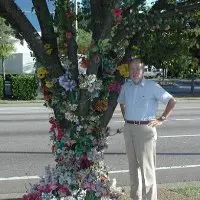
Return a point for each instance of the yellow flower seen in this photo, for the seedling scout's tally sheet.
(41, 72)
(48, 48)
(49, 84)
(123, 70)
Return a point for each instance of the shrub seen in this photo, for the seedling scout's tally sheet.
(1, 87)
(24, 87)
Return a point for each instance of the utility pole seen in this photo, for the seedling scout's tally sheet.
(76, 12)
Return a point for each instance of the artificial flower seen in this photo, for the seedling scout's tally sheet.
(114, 87)
(68, 14)
(48, 48)
(101, 105)
(68, 35)
(46, 94)
(82, 49)
(64, 191)
(84, 62)
(85, 162)
(117, 12)
(49, 84)
(41, 72)
(123, 70)
(32, 196)
(66, 83)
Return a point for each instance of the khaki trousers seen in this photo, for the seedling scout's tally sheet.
(140, 141)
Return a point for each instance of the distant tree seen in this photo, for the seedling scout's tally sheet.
(6, 43)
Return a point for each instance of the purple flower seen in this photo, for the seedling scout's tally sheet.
(69, 85)
(66, 83)
(114, 87)
(63, 79)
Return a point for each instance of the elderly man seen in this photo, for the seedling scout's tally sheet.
(138, 100)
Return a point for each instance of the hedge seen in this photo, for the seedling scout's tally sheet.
(24, 87)
(1, 87)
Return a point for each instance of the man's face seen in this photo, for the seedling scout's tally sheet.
(136, 71)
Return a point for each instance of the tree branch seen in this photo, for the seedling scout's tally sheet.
(46, 24)
(178, 11)
(14, 15)
(96, 18)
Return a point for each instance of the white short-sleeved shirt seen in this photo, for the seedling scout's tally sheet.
(141, 101)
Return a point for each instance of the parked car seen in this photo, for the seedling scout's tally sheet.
(152, 72)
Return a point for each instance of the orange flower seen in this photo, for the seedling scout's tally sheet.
(84, 62)
(101, 105)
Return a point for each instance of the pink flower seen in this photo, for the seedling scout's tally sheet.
(117, 15)
(85, 163)
(60, 132)
(86, 185)
(117, 12)
(47, 188)
(69, 143)
(32, 196)
(64, 191)
(114, 87)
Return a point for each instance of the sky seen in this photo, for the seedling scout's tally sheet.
(26, 6)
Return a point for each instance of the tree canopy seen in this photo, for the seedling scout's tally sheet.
(6, 42)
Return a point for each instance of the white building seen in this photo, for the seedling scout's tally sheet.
(20, 61)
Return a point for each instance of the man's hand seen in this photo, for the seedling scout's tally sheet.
(155, 122)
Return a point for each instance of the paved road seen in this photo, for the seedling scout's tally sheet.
(25, 146)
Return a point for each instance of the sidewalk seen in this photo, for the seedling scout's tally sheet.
(165, 192)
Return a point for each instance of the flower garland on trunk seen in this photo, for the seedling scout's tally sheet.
(80, 172)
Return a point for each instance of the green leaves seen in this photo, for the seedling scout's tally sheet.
(104, 46)
(6, 42)
(24, 87)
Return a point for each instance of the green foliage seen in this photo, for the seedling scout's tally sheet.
(6, 42)
(1, 87)
(24, 87)
(83, 40)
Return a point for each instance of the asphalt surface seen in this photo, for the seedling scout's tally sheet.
(25, 146)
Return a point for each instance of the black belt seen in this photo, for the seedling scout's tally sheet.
(137, 122)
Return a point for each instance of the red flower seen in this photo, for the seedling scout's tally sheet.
(68, 35)
(45, 92)
(114, 87)
(85, 163)
(68, 14)
(64, 191)
(32, 196)
(117, 12)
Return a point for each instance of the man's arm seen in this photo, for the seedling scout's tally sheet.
(168, 110)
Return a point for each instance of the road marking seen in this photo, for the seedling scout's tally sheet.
(19, 178)
(177, 136)
(110, 172)
(159, 168)
(172, 119)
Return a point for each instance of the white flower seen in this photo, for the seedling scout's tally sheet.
(79, 128)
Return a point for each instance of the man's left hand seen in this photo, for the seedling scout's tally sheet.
(155, 122)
